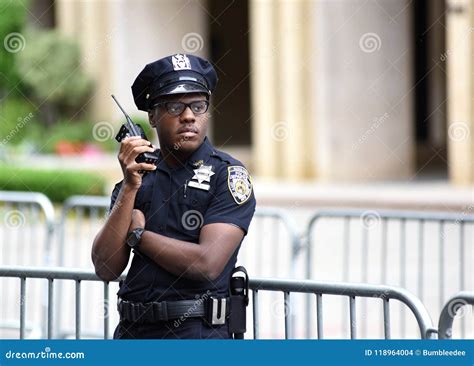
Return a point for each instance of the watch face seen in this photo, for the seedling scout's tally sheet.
(133, 239)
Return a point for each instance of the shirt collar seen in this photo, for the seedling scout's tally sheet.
(201, 155)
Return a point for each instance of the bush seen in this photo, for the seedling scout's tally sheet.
(75, 132)
(18, 122)
(57, 185)
(51, 66)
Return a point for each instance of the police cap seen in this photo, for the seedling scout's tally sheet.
(176, 74)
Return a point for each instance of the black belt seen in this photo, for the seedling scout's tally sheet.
(214, 309)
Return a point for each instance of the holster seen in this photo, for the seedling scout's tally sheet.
(239, 300)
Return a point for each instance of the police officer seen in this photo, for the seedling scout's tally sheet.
(184, 218)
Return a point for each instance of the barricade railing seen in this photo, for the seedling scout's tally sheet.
(349, 290)
(21, 222)
(27, 229)
(274, 246)
(393, 247)
(459, 305)
(51, 274)
(257, 285)
(83, 208)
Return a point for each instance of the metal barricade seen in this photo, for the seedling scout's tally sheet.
(404, 248)
(349, 290)
(27, 228)
(257, 285)
(81, 219)
(53, 274)
(457, 305)
(27, 231)
(272, 245)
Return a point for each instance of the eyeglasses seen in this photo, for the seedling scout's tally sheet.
(176, 108)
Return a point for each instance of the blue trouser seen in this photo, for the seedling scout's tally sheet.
(191, 328)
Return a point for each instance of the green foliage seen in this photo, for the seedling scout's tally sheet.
(18, 121)
(51, 67)
(12, 19)
(76, 132)
(56, 184)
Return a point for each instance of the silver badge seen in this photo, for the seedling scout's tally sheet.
(181, 62)
(202, 175)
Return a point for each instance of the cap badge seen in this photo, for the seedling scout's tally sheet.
(180, 62)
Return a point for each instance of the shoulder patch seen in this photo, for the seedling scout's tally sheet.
(239, 183)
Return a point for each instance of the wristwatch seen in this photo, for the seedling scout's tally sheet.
(134, 238)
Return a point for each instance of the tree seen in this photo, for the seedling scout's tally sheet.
(51, 66)
(12, 20)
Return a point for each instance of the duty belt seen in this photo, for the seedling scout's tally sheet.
(214, 310)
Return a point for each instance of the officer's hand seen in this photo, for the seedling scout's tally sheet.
(130, 148)
(138, 220)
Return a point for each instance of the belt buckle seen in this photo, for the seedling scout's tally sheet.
(217, 310)
(161, 311)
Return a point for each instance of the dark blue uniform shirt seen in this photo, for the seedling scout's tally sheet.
(174, 207)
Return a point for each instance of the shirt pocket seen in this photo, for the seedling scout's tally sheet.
(193, 204)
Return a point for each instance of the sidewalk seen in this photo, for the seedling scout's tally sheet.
(426, 195)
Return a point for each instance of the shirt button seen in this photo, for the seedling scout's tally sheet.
(160, 228)
(194, 202)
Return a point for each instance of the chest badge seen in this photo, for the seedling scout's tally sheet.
(240, 183)
(201, 177)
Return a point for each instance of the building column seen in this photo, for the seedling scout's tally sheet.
(364, 89)
(279, 59)
(90, 23)
(460, 64)
(332, 89)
